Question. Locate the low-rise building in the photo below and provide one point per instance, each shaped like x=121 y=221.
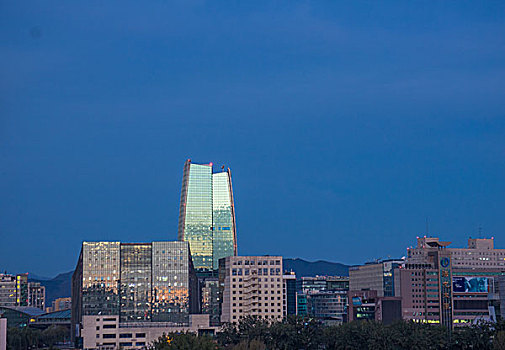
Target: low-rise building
x=108 y=332
x=3 y=333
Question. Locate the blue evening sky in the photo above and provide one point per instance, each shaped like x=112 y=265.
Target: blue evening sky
x=345 y=123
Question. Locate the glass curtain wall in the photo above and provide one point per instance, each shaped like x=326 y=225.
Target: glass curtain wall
x=223 y=218
x=206 y=216
x=135 y=282
x=100 y=278
x=195 y=224
x=170 y=282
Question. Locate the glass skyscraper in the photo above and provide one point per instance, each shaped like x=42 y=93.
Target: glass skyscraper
x=207 y=215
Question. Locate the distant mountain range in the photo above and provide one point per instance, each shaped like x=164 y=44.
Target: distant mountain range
x=59 y=286
x=304 y=268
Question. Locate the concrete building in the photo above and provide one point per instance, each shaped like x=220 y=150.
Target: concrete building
x=109 y=333
x=36 y=295
x=134 y=283
x=480 y=253
x=7 y=290
x=61 y=304
x=3 y=334
x=311 y=284
x=379 y=276
x=328 y=306
x=251 y=286
x=208 y=282
x=15 y=290
x=362 y=305
x=452 y=286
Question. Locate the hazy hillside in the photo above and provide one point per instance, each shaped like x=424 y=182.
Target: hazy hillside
x=58 y=287
x=305 y=268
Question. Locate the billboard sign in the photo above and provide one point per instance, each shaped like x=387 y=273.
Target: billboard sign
x=470 y=284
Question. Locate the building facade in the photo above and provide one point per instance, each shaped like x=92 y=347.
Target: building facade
x=379 y=276
x=61 y=304
x=207 y=215
x=289 y=293
x=451 y=286
x=251 y=286
x=36 y=295
x=323 y=297
x=15 y=290
x=7 y=290
x=479 y=254
x=134 y=282
x=109 y=333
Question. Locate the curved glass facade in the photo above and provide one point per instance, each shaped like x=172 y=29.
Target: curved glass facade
x=206 y=217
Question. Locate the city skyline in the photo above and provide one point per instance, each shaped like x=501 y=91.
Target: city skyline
x=346 y=124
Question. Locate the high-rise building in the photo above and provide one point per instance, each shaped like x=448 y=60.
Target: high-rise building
x=251 y=286
x=207 y=215
x=135 y=282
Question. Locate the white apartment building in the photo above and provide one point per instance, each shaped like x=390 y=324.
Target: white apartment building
x=251 y=286
x=480 y=253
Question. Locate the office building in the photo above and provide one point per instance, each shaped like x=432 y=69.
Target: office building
x=61 y=304
x=15 y=290
x=323 y=297
x=451 y=286
x=362 y=305
x=36 y=295
x=134 y=283
x=327 y=306
x=22 y=290
x=289 y=293
x=479 y=254
x=3 y=333
x=7 y=290
x=109 y=333
x=209 y=296
x=311 y=284
x=207 y=215
x=251 y=286
x=379 y=276
x=301 y=304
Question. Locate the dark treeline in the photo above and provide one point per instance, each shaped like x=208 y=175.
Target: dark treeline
x=304 y=334
x=31 y=338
